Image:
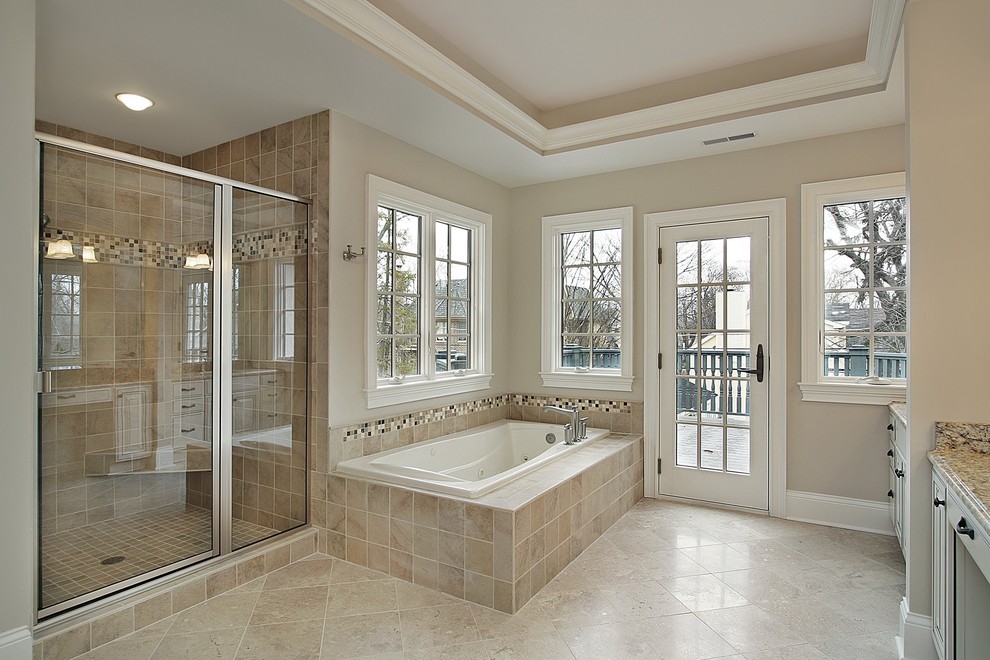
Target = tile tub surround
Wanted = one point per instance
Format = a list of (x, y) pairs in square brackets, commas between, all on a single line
[(76, 633), (372, 436), (497, 550), (962, 457)]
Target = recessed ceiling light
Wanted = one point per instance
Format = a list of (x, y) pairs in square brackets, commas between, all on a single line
[(135, 102)]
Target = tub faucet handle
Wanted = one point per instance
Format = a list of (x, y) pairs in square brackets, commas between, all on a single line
[(569, 435), (582, 432)]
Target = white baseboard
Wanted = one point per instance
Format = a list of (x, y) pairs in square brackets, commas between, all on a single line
[(835, 511), (915, 641), (16, 644)]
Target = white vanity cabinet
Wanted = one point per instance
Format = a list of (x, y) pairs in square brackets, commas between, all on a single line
[(960, 590), (898, 477)]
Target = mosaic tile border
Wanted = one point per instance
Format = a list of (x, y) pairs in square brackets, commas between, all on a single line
[(371, 428), (121, 250)]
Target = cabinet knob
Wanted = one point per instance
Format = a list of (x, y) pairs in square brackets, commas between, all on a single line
[(937, 502), (965, 529), (890, 493), (890, 427), (899, 473), (890, 452)]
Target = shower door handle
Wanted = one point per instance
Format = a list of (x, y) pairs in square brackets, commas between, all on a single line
[(45, 382)]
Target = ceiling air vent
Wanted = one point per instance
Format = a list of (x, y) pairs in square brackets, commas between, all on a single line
[(728, 138)]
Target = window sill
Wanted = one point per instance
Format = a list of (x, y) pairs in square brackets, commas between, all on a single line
[(588, 380), (388, 395), (857, 393)]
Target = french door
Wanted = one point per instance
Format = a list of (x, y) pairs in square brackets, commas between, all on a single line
[(714, 380)]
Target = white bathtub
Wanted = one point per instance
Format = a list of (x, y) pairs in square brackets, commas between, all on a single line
[(469, 463)]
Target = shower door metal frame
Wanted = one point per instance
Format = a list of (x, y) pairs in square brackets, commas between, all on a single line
[(221, 426)]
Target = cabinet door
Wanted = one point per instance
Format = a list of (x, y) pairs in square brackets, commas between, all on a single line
[(244, 411), (941, 580), (900, 494)]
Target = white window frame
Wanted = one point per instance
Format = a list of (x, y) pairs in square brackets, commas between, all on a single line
[(552, 372), (72, 359), (196, 306), (281, 309), (429, 383), (815, 386)]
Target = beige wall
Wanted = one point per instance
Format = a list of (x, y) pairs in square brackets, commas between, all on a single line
[(356, 151), (17, 403), (948, 94), (833, 449)]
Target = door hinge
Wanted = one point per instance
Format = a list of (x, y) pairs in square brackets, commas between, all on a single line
[(658, 465), (660, 255), (659, 360)]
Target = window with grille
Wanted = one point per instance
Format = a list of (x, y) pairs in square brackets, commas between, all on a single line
[(428, 311), (856, 289), (285, 309), (196, 343), (62, 338)]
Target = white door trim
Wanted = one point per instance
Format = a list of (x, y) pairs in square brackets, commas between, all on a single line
[(776, 211)]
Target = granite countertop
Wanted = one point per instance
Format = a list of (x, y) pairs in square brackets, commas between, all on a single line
[(899, 408), (962, 456)]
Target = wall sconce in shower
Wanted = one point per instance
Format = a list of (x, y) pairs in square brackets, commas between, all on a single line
[(60, 249), (89, 254), (199, 261)]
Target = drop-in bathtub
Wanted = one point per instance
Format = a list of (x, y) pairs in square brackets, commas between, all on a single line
[(470, 463)]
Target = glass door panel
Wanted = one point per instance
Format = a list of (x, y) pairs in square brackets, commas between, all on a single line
[(125, 344), (269, 320)]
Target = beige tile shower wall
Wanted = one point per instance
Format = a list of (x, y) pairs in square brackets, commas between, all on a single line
[(495, 555), (373, 436), (292, 157)]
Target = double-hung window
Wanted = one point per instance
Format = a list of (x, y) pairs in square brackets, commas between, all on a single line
[(428, 308), (587, 300), (855, 293), (285, 309)]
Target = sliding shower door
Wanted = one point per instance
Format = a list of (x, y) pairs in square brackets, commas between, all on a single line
[(172, 357), (125, 301)]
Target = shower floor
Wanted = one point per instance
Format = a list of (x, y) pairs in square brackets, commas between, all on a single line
[(71, 561)]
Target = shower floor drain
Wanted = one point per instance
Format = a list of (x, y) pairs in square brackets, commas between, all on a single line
[(113, 560)]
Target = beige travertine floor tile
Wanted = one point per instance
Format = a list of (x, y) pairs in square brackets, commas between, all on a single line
[(286, 605), (362, 598), (894, 560), (683, 536), (221, 644), (734, 532), (864, 572), (529, 620), (749, 628), (874, 646), (256, 584), (800, 652), (821, 545), (297, 640), (543, 646), (366, 634), (576, 609), (703, 592), (612, 570), (410, 596), (226, 611), (813, 580), (635, 542), (619, 640), (877, 610), (683, 637), (770, 552), (347, 572), (664, 564), (759, 585), (156, 629), (309, 573), (443, 625), (125, 648), (468, 651), (811, 619), (643, 600), (719, 558)]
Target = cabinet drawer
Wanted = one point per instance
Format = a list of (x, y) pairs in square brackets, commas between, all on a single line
[(189, 389), (978, 547), (187, 406), (190, 427)]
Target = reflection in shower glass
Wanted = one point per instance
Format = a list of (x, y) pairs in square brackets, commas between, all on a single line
[(124, 334), (269, 386)]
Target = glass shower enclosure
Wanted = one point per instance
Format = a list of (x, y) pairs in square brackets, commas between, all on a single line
[(173, 369)]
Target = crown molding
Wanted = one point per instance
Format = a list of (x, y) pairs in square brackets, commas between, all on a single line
[(369, 24)]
